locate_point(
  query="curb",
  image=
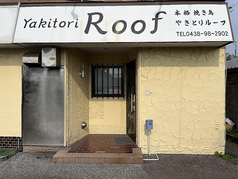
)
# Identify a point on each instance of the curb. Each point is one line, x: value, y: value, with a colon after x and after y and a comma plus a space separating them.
x: 8, y: 156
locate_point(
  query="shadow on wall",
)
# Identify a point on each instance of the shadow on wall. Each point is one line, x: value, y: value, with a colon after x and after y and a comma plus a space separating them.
x: 77, y: 94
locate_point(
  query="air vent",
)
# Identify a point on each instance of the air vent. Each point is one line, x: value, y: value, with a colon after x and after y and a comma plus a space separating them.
x: 50, y: 57
x: 32, y: 59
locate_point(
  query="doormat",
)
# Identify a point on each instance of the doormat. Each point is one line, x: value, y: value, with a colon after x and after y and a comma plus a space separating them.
x: 123, y: 141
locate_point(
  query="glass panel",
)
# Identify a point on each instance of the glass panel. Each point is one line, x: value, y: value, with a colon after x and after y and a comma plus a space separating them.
x: 115, y: 80
x: 96, y: 79
x: 110, y: 81
x: 120, y: 80
x: 99, y: 81
x: 104, y: 80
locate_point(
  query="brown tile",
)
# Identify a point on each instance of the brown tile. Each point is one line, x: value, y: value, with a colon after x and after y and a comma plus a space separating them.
x: 77, y: 155
x: 120, y: 160
x: 137, y: 161
x: 137, y: 155
x: 96, y: 160
x: 60, y: 160
x: 109, y: 160
x: 112, y: 155
x: 82, y: 160
x: 83, y: 154
x: 129, y: 161
x: 59, y: 154
x: 126, y: 155
x: 69, y: 159
x: 97, y: 155
x: 134, y: 161
x: 54, y: 160
x: 136, y: 150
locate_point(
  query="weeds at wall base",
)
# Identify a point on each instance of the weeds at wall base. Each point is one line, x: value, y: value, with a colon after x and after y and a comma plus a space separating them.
x: 225, y: 157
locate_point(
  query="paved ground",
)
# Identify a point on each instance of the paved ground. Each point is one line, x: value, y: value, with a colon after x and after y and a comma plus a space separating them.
x: 232, y: 149
x: 38, y: 165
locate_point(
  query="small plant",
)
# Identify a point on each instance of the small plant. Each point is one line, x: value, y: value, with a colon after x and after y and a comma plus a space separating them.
x: 225, y: 157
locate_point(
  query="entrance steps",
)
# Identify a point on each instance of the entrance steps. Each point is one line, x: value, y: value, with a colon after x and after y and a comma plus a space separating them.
x: 99, y: 157
x: 101, y: 148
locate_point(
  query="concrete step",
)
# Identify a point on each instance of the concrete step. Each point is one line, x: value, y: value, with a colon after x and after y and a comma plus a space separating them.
x: 63, y: 156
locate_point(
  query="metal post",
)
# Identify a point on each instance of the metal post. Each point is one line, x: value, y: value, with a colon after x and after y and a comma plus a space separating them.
x: 149, y: 142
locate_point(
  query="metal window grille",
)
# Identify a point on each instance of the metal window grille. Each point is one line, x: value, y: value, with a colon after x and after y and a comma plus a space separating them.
x: 107, y: 80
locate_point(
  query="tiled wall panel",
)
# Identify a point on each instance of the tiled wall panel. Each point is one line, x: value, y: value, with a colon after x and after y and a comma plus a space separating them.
x: 11, y: 142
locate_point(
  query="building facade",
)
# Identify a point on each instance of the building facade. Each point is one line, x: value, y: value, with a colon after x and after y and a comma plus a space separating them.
x: 112, y: 66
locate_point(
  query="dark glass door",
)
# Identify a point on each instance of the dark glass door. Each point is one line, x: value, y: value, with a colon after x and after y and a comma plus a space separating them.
x: 131, y: 101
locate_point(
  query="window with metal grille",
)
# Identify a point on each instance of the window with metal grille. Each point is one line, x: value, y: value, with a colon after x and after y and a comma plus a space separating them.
x: 108, y: 80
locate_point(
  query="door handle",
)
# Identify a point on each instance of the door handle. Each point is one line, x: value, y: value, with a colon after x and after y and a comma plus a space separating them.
x: 133, y: 100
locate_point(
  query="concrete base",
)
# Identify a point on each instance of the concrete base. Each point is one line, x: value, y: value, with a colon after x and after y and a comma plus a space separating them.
x: 40, y: 149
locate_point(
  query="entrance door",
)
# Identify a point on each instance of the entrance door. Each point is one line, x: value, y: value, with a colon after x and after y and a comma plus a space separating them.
x: 43, y: 106
x: 131, y: 101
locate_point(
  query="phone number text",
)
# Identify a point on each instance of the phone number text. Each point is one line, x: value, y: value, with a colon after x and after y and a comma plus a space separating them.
x: 204, y: 33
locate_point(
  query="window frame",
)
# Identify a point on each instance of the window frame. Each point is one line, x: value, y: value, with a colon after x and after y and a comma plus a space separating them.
x: 95, y: 87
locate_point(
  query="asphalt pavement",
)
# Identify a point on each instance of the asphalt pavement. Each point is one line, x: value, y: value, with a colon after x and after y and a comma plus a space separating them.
x: 38, y: 165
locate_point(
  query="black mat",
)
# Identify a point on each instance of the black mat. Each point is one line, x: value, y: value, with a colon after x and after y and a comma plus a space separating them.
x: 123, y: 141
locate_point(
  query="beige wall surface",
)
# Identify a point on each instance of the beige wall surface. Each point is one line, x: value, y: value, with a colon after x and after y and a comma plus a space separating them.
x: 187, y: 103
x: 107, y: 115
x: 77, y: 95
x: 11, y: 91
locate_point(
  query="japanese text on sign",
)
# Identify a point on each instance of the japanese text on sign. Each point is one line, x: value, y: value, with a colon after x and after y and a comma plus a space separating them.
x: 203, y: 21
